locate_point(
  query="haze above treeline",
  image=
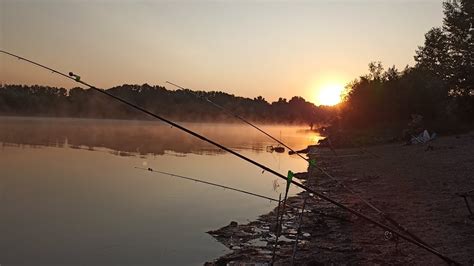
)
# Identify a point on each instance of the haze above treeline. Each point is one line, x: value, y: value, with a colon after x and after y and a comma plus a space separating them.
x: 183, y: 105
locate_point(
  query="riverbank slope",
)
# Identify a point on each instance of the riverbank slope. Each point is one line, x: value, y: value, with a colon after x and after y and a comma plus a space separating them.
x: 416, y: 185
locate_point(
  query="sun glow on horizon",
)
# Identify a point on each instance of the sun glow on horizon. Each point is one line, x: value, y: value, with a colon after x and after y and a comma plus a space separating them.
x: 329, y: 94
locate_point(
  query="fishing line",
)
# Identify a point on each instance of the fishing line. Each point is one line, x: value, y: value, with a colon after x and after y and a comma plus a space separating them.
x: 339, y: 182
x: 77, y: 79
x: 207, y: 183
x: 230, y: 113
x: 149, y: 169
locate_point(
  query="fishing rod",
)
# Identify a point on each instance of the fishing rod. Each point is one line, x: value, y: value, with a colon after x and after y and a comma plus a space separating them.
x: 339, y: 182
x: 207, y: 183
x: 149, y: 169
x: 77, y: 79
x: 230, y: 113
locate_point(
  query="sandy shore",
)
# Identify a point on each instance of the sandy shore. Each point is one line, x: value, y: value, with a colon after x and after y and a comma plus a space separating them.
x: 416, y: 185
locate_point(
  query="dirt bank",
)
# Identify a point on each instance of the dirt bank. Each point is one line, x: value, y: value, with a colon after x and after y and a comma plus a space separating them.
x: 416, y: 185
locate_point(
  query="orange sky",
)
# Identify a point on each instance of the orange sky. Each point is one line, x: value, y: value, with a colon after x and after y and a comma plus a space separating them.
x: 248, y: 48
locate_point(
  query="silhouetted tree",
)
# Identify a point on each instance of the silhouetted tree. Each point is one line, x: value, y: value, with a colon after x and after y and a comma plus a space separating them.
x: 459, y: 28
x: 434, y: 55
x: 440, y: 86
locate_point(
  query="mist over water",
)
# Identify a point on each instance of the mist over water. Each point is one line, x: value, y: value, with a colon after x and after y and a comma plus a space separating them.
x: 127, y: 137
x: 69, y: 191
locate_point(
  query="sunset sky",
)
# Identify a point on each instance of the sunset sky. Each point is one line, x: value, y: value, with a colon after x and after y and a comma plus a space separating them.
x: 247, y: 48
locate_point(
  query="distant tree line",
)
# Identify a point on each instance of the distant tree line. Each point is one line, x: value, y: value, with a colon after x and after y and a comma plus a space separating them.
x: 440, y: 87
x: 181, y: 105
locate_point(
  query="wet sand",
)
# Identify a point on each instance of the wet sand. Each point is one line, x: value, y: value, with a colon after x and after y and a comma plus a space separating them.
x: 416, y: 185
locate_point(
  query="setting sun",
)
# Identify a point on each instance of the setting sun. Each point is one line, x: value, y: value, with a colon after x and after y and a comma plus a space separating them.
x: 329, y: 94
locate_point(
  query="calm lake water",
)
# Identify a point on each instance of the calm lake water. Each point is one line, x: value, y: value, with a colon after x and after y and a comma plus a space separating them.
x: 70, y: 192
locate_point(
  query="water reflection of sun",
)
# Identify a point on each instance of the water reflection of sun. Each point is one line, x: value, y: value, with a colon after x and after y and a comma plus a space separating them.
x: 329, y: 94
x: 314, y: 137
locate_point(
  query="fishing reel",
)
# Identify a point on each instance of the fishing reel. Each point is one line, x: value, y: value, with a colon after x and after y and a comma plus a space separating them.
x: 76, y: 77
